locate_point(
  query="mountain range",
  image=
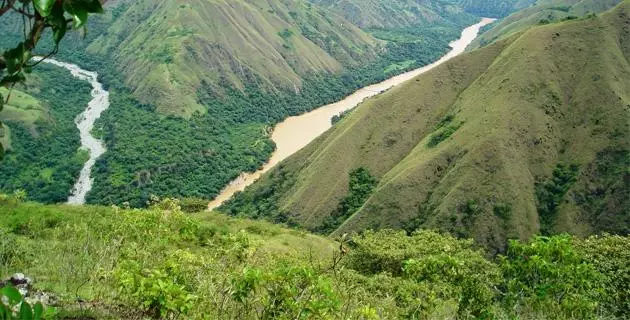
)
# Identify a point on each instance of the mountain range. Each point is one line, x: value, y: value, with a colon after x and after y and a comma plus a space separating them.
x: 528, y: 135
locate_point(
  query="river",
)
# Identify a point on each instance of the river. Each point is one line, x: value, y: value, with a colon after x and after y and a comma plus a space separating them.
x: 294, y: 133
x: 85, y: 124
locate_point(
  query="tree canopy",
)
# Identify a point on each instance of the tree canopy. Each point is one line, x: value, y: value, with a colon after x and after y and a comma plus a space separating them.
x: 36, y: 16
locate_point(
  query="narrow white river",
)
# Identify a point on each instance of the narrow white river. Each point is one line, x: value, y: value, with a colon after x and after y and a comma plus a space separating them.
x: 294, y: 133
x: 85, y: 124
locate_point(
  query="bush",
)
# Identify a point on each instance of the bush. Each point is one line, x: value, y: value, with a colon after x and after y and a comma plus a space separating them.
x: 288, y: 291
x: 431, y: 265
x: 550, y: 276
x: 610, y: 255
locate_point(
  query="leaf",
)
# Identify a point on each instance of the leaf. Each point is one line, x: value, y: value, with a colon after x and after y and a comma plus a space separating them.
x: 80, y: 17
x: 44, y: 7
x: 93, y: 6
x: 26, y: 312
x: 38, y: 311
x: 59, y: 32
x: 4, y: 312
x: 12, y: 294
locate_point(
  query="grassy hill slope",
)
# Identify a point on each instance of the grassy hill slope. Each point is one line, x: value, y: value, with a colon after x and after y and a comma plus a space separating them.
x: 166, y: 49
x: 529, y: 134
x: 542, y: 12
x: 407, y: 13
x: 22, y: 108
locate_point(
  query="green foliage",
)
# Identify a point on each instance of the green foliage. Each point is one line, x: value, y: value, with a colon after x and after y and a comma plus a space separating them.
x: 14, y: 307
x: 439, y: 266
x: 288, y: 291
x: 609, y: 255
x: 552, y: 277
x: 161, y: 263
x: 162, y: 291
x: 444, y: 130
x: 44, y: 159
x: 551, y: 193
x: 360, y: 186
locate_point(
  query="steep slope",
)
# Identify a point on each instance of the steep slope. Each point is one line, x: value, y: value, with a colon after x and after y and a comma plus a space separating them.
x: 167, y: 49
x: 407, y: 13
x: 530, y: 133
x: 492, y: 8
x: 542, y: 12
x: 394, y: 14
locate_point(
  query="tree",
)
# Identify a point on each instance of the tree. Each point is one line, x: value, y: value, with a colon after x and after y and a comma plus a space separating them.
x: 37, y: 16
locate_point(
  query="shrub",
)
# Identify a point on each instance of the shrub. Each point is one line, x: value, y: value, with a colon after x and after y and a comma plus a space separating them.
x: 550, y: 276
x: 610, y: 255
x: 429, y: 265
x: 288, y: 291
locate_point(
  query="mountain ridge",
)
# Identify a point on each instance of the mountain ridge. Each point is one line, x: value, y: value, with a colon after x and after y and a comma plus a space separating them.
x: 482, y: 162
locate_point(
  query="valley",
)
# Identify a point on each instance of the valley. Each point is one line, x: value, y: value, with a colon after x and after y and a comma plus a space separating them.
x: 296, y: 132
x: 525, y: 136
x: 191, y: 114
x: 368, y: 159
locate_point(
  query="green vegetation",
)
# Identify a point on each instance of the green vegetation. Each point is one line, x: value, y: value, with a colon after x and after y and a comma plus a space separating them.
x: 189, y: 136
x: 498, y: 120
x: 542, y: 12
x: 360, y: 186
x: 444, y: 130
x: 551, y: 193
x: 44, y: 158
x: 111, y: 263
x: 34, y: 18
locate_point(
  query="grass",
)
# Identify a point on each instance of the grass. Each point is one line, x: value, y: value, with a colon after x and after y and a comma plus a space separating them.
x: 547, y: 11
x: 526, y: 103
x: 220, y: 44
x: 399, y: 66
x: 22, y: 108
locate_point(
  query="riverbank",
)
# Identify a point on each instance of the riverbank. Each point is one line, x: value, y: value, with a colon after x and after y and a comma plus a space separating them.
x: 294, y: 133
x: 85, y: 123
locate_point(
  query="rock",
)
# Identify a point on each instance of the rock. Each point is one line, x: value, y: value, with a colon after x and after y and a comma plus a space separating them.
x: 19, y: 279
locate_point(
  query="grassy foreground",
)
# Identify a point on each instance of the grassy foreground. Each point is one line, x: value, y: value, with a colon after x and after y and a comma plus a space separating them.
x: 104, y: 263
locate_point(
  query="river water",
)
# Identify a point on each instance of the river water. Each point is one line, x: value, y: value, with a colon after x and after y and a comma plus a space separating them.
x: 85, y: 124
x: 294, y: 133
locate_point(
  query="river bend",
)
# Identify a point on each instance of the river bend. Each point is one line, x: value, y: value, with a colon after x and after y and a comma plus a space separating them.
x: 85, y: 124
x: 296, y: 132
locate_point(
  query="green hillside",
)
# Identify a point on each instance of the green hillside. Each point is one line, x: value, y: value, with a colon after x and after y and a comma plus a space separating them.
x: 374, y: 14
x: 22, y: 108
x: 396, y: 14
x: 196, y: 87
x: 43, y: 157
x: 173, y: 48
x: 91, y: 262
x: 542, y: 12
x: 527, y: 135
x: 492, y: 8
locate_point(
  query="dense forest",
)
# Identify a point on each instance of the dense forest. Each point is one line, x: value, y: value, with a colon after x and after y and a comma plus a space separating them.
x: 44, y: 159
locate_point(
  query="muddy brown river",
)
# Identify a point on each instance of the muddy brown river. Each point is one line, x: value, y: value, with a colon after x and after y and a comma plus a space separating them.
x: 294, y: 133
